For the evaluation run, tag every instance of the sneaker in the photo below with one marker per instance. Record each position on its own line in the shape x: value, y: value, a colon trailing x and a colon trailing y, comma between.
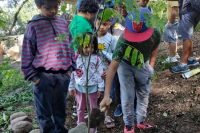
x: 86, y: 116
x: 177, y: 56
x: 93, y: 130
x: 109, y: 122
x: 170, y: 60
x: 129, y: 129
x: 179, y: 69
x: 118, y: 111
x: 192, y: 62
x: 143, y: 126
x: 74, y: 113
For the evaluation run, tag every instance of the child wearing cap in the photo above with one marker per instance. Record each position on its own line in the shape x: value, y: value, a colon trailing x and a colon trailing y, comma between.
x: 134, y: 59
x: 170, y: 35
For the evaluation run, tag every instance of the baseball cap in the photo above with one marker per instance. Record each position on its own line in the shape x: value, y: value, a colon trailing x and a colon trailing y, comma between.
x: 137, y: 32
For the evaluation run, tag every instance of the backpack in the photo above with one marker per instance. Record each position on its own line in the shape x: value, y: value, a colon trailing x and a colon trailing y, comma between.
x: 195, y: 4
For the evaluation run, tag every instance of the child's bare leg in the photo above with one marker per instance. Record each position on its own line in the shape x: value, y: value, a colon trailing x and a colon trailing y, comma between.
x: 172, y: 49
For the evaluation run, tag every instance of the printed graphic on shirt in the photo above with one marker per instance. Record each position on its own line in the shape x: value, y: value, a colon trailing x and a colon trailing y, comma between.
x: 134, y: 56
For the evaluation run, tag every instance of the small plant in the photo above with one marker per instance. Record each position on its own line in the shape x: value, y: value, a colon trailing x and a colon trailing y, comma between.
x: 160, y: 66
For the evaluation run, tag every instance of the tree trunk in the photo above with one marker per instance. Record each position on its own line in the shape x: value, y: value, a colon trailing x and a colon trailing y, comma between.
x: 16, y: 15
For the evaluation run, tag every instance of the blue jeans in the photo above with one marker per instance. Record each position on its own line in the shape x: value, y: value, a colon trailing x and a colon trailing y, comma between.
x: 50, y: 102
x: 114, y: 93
x: 135, y: 84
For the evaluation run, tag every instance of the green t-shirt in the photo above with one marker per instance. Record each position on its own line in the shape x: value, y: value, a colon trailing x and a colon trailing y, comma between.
x: 79, y: 25
x: 136, y: 54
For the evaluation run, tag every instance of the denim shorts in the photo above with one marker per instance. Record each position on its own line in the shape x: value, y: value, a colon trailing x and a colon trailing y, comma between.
x: 170, y: 33
x: 187, y: 24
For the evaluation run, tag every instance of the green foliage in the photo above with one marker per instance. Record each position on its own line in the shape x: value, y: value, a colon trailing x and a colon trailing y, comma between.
x: 7, y: 16
x: 26, y: 14
x: 3, y: 19
x: 10, y: 78
x: 63, y: 7
x: 197, y: 28
x: 158, y: 19
x: 2, y: 22
x: 14, y: 93
x: 160, y: 66
x: 82, y: 40
x: 13, y: 103
x: 61, y: 37
x: 108, y: 14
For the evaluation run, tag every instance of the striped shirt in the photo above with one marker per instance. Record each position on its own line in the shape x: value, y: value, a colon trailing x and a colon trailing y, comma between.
x: 42, y: 49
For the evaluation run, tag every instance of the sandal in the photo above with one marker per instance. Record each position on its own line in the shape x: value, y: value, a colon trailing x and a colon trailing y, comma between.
x: 143, y: 125
x: 109, y: 122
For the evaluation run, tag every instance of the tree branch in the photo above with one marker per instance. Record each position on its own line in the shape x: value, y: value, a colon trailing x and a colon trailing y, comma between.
x: 16, y: 15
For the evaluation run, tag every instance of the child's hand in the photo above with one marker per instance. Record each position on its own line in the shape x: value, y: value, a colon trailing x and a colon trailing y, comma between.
x: 105, y: 103
x: 99, y: 94
x: 72, y: 93
x: 103, y: 76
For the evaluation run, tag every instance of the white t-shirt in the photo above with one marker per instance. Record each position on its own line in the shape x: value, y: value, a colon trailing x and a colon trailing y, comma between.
x: 109, y: 42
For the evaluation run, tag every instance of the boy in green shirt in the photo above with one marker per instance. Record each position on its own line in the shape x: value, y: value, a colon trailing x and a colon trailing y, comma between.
x: 81, y: 22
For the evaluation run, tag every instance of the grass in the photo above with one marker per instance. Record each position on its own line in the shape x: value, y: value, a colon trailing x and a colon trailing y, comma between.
x: 10, y: 78
x: 15, y: 93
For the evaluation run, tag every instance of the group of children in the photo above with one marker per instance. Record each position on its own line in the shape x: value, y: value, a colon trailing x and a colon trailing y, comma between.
x: 55, y: 68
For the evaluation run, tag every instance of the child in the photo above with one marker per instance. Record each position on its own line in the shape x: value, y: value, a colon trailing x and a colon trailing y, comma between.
x: 47, y: 61
x: 170, y: 35
x: 108, y: 42
x: 134, y: 58
x: 144, y: 3
x: 78, y: 80
x: 81, y: 22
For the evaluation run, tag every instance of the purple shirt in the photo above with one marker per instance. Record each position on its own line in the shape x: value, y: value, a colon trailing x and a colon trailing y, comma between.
x: 42, y: 49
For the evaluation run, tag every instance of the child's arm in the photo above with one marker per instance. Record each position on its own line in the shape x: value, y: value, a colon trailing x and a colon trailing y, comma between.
x: 154, y: 54
x: 29, y: 48
x: 107, y: 55
x: 71, y: 87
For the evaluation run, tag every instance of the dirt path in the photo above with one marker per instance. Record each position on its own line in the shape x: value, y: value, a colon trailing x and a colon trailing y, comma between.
x: 175, y: 104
